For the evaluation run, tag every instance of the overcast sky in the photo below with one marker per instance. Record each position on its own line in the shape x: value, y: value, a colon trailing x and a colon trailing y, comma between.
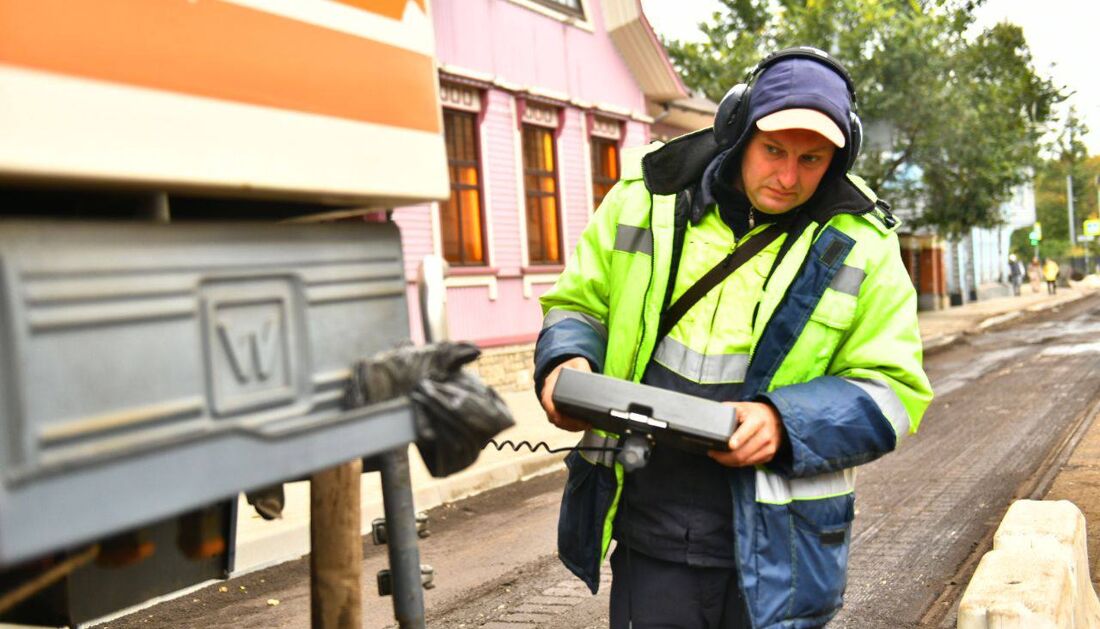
x: 1058, y: 32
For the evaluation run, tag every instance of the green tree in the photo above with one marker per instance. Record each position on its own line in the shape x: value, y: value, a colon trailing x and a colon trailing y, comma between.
x: 953, y: 122
x: 1070, y: 159
x: 989, y: 141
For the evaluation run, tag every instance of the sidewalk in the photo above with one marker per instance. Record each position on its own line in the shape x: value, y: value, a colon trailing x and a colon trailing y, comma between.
x: 943, y: 327
x: 261, y: 543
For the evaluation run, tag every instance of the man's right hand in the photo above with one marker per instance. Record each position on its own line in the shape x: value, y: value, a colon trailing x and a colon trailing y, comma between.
x: 547, y: 399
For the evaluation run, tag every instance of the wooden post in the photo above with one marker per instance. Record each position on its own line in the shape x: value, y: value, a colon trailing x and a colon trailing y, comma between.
x: 336, y: 548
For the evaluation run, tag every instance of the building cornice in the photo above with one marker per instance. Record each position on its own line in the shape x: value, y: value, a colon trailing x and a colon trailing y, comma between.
x: 642, y: 50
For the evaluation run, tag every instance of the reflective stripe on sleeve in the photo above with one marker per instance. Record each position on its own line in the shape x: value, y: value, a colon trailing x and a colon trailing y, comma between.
x: 633, y: 239
x: 701, y: 368
x: 593, y: 439
x: 774, y: 489
x: 888, y: 402
x: 558, y: 315
x: 848, y: 279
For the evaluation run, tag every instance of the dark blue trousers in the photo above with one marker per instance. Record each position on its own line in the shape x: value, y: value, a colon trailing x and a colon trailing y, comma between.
x: 657, y: 594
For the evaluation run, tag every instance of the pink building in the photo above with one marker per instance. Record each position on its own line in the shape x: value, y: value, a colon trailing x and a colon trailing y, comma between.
x: 539, y: 98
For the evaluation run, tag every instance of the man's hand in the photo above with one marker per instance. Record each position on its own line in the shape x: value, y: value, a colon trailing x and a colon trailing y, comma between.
x: 556, y: 418
x: 757, y: 438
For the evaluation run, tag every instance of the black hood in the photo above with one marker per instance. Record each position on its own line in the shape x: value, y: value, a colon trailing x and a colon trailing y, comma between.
x: 679, y: 165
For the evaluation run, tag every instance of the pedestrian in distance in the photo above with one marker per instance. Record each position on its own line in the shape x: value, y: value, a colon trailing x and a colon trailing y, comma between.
x: 1050, y: 275
x: 1015, y: 273
x: 1035, y: 274
x: 813, y: 340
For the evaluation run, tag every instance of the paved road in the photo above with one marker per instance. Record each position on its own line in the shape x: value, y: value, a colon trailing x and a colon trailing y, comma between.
x: 1007, y: 402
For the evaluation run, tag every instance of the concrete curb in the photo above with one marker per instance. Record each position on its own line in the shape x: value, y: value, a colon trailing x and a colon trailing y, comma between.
x: 288, y: 539
x: 1037, y: 574
x: 939, y: 343
x: 261, y: 544
x: 1001, y: 318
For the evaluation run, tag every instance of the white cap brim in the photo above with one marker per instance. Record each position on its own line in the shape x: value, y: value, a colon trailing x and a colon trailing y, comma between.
x: 809, y: 119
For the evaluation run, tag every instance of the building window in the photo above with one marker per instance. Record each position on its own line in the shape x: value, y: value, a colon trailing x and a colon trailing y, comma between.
x: 571, y: 7
x: 540, y: 181
x: 461, y: 221
x: 605, y: 168
x: 605, y: 137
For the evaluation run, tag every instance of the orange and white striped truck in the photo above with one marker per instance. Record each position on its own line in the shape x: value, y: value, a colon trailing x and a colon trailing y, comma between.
x: 175, y: 324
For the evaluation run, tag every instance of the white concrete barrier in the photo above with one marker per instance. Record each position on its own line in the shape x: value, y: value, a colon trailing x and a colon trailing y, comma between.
x: 1037, y: 574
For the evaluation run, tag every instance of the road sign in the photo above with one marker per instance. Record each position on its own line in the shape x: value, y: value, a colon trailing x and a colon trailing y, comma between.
x: 1036, y: 234
x: 1092, y: 227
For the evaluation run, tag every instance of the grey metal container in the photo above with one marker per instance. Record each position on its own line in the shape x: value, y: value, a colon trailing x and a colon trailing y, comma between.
x: 147, y: 369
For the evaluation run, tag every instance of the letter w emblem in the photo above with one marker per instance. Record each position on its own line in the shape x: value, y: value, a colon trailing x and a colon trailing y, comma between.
x: 252, y: 352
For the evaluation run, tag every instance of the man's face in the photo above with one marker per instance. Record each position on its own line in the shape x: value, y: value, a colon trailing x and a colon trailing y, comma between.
x: 780, y: 170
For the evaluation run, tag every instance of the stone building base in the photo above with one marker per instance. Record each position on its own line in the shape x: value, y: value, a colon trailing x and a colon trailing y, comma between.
x: 507, y: 368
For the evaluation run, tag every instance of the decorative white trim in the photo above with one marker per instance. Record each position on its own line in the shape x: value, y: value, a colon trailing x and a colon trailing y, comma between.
x: 519, y: 90
x: 563, y: 218
x: 466, y: 73
x: 437, y: 230
x: 521, y: 194
x: 589, y: 176
x: 545, y: 93
x: 460, y: 97
x: 565, y: 18
x: 614, y: 109
x: 530, y: 279
x: 508, y: 86
x: 486, y: 204
x: 606, y: 128
x: 542, y: 115
x: 468, y: 281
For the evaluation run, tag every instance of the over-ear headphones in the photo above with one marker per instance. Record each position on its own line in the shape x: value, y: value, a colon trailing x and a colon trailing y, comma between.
x: 733, y: 111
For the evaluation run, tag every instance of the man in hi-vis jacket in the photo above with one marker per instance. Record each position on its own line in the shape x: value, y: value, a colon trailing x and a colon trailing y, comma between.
x: 813, y: 340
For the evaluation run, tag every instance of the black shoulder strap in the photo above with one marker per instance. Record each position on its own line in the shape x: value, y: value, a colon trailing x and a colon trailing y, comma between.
x: 684, y: 201
x: 713, y: 277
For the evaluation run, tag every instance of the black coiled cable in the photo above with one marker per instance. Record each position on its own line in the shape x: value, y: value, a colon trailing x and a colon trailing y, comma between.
x: 517, y: 446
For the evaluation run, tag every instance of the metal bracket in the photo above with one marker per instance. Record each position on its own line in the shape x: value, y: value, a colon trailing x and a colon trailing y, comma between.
x: 385, y: 580
x: 378, y: 529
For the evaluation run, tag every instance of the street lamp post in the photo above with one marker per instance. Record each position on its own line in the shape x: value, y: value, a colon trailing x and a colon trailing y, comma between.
x: 1069, y: 206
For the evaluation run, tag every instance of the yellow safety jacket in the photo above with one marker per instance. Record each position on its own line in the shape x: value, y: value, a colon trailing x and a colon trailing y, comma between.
x: 834, y: 346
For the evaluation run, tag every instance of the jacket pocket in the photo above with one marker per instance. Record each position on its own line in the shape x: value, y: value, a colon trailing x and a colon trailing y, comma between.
x: 828, y: 325
x: 821, y: 531
x: 586, y: 503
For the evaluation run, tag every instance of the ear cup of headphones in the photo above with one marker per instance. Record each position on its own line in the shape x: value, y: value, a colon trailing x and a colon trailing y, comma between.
x: 730, y: 118
x: 856, y: 141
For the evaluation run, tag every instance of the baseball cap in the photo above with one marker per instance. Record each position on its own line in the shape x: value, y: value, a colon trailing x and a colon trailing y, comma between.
x: 802, y: 93
x: 801, y: 118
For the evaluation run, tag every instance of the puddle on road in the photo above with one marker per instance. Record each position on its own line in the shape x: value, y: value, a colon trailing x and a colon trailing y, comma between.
x: 977, y: 367
x: 1042, y: 333
x: 1053, y: 338
x: 1072, y: 350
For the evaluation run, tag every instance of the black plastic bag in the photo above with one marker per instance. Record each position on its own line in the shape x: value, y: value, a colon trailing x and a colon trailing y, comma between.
x: 456, y: 413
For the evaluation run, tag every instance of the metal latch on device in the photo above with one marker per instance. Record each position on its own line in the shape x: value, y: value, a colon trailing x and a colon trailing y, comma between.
x: 639, y: 418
